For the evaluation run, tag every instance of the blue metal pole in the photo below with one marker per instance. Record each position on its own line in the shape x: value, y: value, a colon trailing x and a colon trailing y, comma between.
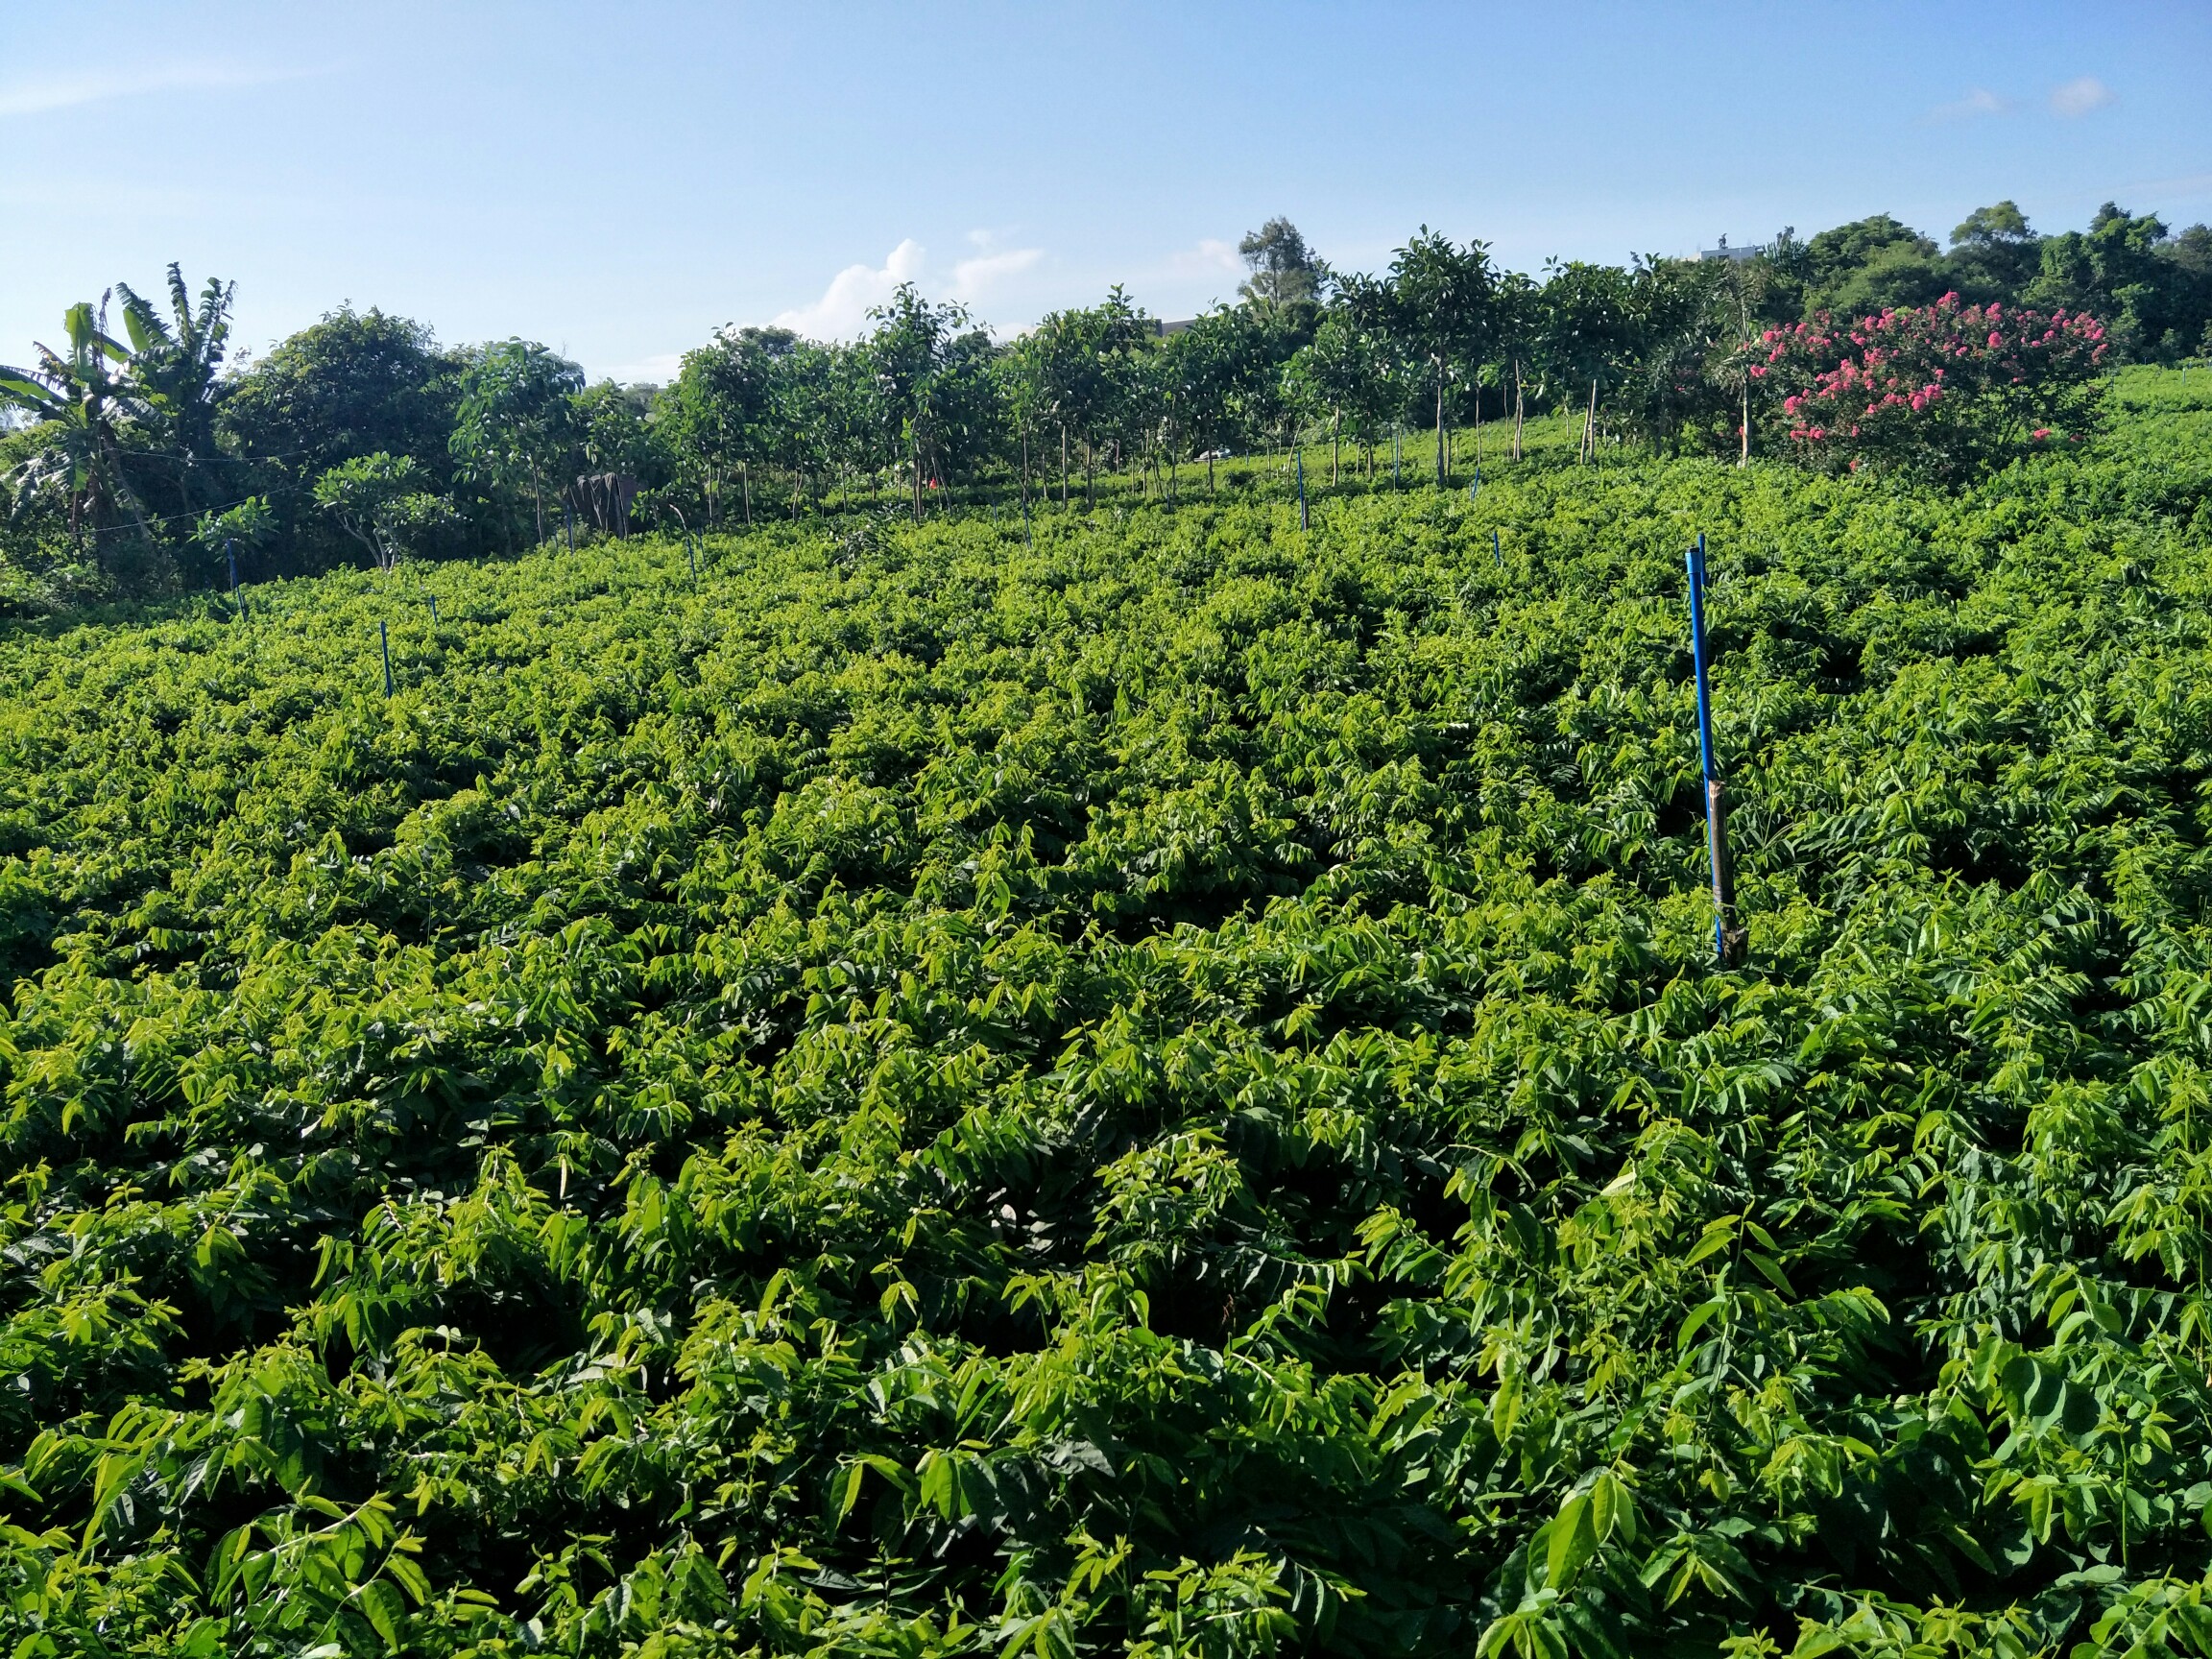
x: 1495, y: 552
x: 1727, y: 938
x: 1698, y: 655
x: 1303, y: 522
x: 384, y: 644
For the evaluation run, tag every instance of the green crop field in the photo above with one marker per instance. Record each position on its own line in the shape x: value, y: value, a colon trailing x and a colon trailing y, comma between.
x: 1160, y: 1091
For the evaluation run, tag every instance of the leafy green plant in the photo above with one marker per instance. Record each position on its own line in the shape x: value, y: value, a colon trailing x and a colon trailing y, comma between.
x: 1153, y: 1085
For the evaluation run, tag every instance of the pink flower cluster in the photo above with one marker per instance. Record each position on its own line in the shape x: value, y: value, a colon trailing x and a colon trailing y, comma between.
x: 1868, y: 384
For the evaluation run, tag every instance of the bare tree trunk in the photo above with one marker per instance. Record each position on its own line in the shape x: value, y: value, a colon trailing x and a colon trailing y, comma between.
x: 745, y: 484
x: 1745, y: 458
x: 1443, y: 466
x: 1517, y: 408
x: 1063, y: 463
x: 1336, y: 449
x: 538, y: 494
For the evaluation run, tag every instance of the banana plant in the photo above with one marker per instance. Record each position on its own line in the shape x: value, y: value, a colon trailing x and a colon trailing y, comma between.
x: 175, y: 364
x: 82, y: 397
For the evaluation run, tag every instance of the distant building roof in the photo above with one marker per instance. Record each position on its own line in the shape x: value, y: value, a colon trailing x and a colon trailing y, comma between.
x: 1724, y: 251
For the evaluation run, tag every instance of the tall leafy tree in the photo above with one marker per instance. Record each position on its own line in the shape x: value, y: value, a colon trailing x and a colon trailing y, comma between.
x: 1342, y: 373
x: 1284, y: 270
x: 1442, y: 300
x: 721, y: 410
x: 1583, y: 337
x: 512, y: 430
x: 352, y: 383
x: 2121, y: 269
x: 928, y: 366
x: 1518, y: 319
x: 1872, y: 264
x: 1083, y: 366
x: 1995, y: 254
x: 1196, y: 373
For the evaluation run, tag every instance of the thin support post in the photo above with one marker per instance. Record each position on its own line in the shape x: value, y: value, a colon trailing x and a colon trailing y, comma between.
x: 1303, y: 523
x: 691, y: 552
x: 1495, y: 552
x: 568, y: 524
x: 1729, y: 937
x: 433, y: 610
x: 231, y: 552
x: 1027, y: 540
x: 1475, y: 488
x: 384, y: 644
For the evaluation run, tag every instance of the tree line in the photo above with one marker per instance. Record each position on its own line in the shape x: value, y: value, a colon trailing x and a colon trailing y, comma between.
x: 139, y: 459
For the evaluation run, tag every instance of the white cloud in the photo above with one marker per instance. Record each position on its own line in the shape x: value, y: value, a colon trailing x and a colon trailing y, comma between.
x: 842, y: 311
x: 65, y: 92
x: 2079, y: 97
x: 1210, y: 256
x: 973, y: 279
x: 1979, y: 102
x: 658, y: 369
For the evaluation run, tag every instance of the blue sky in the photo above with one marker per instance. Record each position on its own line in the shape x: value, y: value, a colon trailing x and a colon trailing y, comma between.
x: 618, y: 181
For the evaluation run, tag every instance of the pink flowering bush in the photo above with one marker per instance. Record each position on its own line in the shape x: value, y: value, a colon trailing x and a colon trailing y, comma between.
x: 1945, y: 388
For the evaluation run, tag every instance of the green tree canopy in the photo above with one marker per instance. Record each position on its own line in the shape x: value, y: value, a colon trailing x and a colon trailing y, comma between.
x: 1284, y: 269
x: 513, y: 432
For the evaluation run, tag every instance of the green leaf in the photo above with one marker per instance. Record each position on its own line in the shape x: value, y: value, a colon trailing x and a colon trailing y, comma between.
x: 385, y: 1610
x: 1696, y: 1322
x: 1573, y: 1540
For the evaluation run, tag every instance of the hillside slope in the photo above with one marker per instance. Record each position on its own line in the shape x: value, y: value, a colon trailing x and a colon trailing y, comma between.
x: 935, y: 1096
